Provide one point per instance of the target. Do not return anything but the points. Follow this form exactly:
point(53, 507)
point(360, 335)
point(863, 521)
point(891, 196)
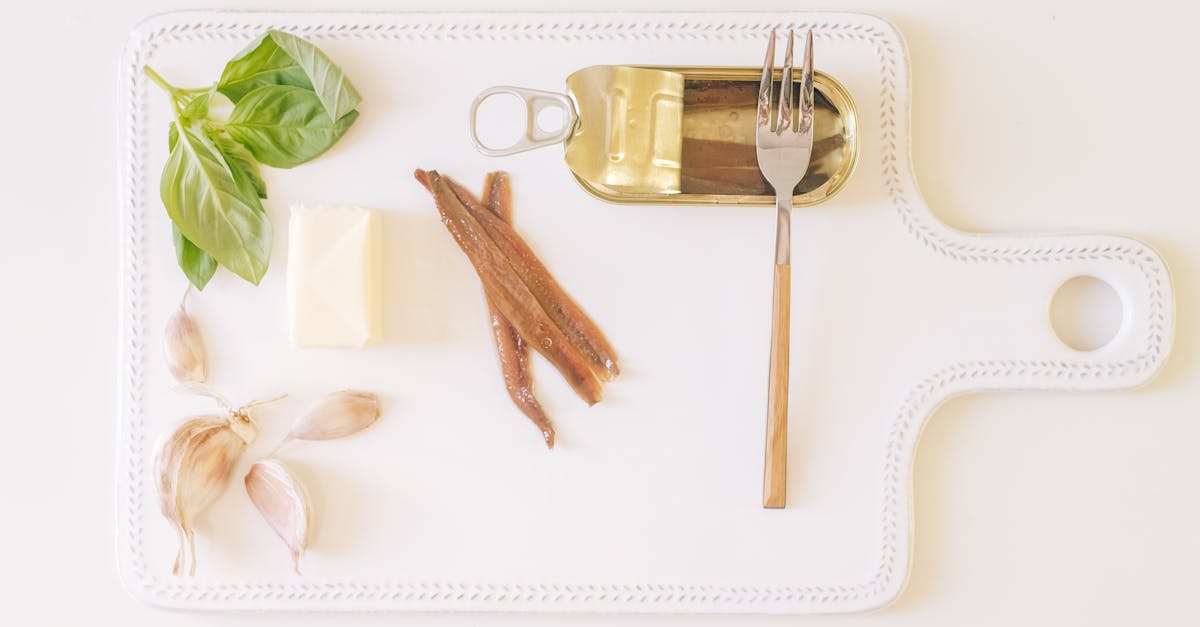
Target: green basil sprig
point(291, 104)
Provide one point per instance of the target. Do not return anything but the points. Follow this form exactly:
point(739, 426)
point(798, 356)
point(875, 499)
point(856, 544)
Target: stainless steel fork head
point(784, 147)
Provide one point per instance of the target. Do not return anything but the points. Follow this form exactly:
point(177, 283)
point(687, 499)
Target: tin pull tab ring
point(535, 102)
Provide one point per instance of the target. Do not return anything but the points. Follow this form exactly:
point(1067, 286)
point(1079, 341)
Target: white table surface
point(1030, 508)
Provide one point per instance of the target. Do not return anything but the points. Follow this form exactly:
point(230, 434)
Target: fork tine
point(785, 89)
point(806, 86)
point(764, 87)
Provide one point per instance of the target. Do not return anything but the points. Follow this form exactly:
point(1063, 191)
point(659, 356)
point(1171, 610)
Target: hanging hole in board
point(1086, 313)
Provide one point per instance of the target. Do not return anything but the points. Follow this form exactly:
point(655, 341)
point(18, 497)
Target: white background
point(1029, 115)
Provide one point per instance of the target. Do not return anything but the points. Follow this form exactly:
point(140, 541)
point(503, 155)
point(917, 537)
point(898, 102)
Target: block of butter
point(333, 276)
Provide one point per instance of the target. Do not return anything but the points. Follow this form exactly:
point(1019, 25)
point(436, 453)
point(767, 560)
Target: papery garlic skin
point(283, 502)
point(183, 347)
point(192, 465)
point(336, 416)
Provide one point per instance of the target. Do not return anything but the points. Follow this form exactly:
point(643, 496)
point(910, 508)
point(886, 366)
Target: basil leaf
point(329, 82)
point(261, 63)
point(242, 163)
point(197, 265)
point(279, 58)
point(214, 212)
point(285, 126)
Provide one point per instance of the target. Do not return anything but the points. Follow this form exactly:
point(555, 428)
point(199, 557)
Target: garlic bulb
point(336, 416)
point(192, 465)
point(183, 347)
point(283, 502)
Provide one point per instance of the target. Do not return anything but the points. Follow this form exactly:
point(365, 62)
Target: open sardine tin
point(679, 135)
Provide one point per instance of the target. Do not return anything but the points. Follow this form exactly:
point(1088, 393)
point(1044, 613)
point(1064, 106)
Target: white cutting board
point(651, 501)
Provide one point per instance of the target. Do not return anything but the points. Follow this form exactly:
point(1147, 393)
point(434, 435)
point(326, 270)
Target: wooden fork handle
point(775, 460)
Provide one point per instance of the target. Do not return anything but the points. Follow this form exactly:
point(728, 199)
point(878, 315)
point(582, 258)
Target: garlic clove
point(336, 416)
point(167, 458)
point(283, 502)
point(183, 346)
point(192, 467)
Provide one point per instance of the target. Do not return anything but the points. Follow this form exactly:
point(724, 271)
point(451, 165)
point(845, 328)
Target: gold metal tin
point(835, 114)
point(627, 132)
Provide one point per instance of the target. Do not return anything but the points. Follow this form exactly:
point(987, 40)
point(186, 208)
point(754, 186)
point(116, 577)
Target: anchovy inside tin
point(680, 135)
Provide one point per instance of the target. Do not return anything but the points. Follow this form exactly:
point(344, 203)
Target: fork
point(783, 150)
